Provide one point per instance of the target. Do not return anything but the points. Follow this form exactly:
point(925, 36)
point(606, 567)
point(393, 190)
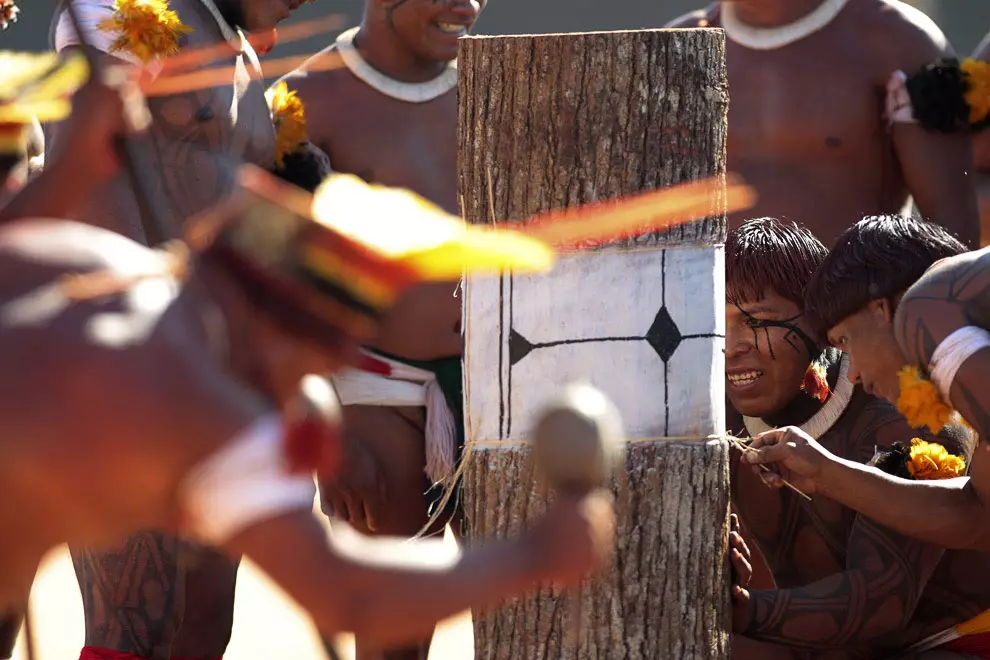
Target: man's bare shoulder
point(952, 278)
point(695, 19)
point(901, 36)
point(322, 79)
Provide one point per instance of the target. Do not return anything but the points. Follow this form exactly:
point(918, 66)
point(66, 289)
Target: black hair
point(878, 258)
point(770, 254)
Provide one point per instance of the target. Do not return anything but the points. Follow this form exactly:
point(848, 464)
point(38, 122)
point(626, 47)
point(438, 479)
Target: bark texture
point(666, 592)
point(555, 121)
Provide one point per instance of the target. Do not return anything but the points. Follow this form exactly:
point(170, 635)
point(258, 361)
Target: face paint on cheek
point(757, 324)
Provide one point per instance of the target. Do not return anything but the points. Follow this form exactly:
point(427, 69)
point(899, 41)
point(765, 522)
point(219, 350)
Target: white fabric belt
point(242, 484)
point(406, 386)
point(952, 353)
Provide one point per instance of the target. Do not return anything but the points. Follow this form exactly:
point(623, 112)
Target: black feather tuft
point(938, 96)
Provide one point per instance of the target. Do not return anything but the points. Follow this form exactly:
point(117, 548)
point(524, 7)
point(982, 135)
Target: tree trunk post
point(555, 121)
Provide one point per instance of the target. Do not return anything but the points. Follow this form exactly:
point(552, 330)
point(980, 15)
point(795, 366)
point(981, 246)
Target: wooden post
point(554, 121)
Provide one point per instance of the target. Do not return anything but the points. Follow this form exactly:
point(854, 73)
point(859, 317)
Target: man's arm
point(392, 600)
point(863, 607)
point(953, 294)
point(86, 156)
point(952, 513)
point(937, 167)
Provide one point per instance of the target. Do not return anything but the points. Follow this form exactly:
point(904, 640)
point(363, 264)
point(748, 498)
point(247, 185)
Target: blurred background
point(964, 21)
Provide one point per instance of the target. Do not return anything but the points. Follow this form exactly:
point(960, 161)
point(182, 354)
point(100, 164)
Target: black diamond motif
point(663, 335)
point(519, 347)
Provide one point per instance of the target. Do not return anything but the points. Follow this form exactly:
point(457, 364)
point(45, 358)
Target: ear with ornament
point(815, 382)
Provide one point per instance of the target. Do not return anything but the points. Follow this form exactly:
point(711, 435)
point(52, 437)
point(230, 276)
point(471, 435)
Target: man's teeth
point(744, 378)
point(453, 28)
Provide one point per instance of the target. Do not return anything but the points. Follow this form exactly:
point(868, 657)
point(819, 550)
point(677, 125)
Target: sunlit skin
point(867, 337)
point(191, 384)
point(824, 163)
point(764, 365)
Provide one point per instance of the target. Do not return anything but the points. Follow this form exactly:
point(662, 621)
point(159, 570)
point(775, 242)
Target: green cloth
point(450, 377)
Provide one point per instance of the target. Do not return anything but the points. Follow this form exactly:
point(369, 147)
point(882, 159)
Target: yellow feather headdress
point(342, 257)
point(35, 86)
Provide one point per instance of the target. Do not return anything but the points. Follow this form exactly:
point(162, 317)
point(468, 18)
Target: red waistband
point(94, 653)
point(977, 645)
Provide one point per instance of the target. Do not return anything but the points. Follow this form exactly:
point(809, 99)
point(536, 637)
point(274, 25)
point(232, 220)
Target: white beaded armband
point(953, 352)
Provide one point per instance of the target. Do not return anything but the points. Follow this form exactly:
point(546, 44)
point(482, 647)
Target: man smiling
point(390, 116)
point(871, 592)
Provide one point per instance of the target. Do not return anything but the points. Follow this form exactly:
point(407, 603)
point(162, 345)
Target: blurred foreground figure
point(134, 594)
point(160, 374)
point(389, 115)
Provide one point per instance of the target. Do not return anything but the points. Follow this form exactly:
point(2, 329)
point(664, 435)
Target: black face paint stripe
point(765, 324)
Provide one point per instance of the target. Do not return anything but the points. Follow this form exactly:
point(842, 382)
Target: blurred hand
point(793, 455)
point(574, 539)
point(356, 493)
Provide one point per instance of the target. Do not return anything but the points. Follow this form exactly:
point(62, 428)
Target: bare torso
point(807, 125)
point(198, 139)
point(398, 144)
point(805, 542)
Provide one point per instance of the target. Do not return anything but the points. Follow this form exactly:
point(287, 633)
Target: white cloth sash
point(406, 386)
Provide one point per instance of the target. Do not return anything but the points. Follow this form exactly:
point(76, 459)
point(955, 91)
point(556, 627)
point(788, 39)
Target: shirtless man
point(133, 594)
point(890, 294)
point(806, 122)
point(390, 116)
point(842, 581)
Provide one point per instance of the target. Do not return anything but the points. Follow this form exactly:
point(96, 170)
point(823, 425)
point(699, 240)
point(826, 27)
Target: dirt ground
point(267, 625)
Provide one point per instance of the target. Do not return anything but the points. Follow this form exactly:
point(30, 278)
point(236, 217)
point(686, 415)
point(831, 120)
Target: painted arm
point(942, 512)
point(862, 607)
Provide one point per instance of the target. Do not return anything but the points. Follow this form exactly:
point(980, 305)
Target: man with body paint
point(842, 582)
